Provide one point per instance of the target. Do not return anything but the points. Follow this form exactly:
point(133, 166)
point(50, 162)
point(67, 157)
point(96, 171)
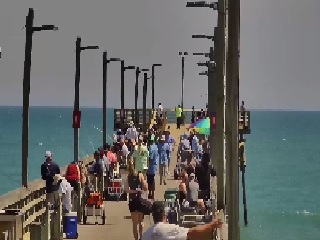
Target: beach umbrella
point(202, 126)
point(205, 131)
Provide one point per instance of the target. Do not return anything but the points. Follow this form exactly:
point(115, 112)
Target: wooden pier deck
point(119, 224)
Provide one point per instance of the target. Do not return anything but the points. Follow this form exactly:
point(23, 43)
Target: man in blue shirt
point(163, 149)
point(48, 170)
point(153, 166)
point(170, 141)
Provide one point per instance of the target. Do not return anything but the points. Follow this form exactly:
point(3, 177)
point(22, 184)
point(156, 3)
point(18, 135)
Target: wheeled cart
point(94, 207)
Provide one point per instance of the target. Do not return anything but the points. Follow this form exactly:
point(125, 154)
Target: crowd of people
point(144, 156)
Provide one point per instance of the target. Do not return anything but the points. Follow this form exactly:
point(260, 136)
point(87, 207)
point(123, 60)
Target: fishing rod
point(242, 160)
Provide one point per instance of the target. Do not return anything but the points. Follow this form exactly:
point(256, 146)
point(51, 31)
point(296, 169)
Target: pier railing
point(24, 206)
point(131, 115)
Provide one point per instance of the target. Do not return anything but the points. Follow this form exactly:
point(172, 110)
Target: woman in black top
point(134, 185)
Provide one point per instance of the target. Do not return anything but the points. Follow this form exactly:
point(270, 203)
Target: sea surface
point(282, 175)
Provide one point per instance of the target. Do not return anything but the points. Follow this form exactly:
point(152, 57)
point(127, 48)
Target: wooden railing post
point(79, 203)
point(47, 224)
point(56, 222)
point(36, 232)
point(4, 236)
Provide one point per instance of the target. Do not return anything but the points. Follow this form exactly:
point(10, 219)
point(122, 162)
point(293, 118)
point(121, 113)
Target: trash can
point(70, 225)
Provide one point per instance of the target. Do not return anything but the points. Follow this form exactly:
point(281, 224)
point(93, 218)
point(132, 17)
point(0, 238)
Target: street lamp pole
point(122, 112)
point(216, 96)
point(30, 29)
point(104, 97)
point(104, 104)
point(152, 76)
point(76, 109)
point(182, 78)
point(232, 118)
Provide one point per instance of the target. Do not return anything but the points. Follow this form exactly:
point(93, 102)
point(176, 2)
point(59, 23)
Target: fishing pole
point(243, 171)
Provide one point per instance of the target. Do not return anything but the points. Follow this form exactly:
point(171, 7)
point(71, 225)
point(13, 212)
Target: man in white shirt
point(163, 231)
point(132, 133)
point(64, 191)
point(159, 113)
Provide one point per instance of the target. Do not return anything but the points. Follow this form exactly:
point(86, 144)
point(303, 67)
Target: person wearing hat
point(163, 231)
point(65, 192)
point(48, 170)
point(163, 149)
point(192, 190)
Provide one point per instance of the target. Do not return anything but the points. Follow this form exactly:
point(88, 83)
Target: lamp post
point(232, 118)
point(30, 29)
point(145, 90)
point(104, 103)
point(183, 55)
point(152, 76)
point(216, 106)
point(123, 69)
point(76, 109)
point(136, 94)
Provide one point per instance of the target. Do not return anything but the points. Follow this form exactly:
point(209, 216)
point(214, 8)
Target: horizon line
point(253, 109)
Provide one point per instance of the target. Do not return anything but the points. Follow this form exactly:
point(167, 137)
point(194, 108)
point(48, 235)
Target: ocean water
point(49, 129)
point(282, 175)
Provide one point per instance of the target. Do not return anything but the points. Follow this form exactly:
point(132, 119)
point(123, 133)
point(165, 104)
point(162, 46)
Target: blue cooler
point(70, 225)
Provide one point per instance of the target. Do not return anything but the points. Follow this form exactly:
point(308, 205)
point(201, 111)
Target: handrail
point(30, 201)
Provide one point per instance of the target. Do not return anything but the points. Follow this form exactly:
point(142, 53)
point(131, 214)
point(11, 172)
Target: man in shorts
point(152, 169)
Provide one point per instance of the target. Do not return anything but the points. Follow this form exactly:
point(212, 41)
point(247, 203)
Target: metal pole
point(76, 98)
point(26, 95)
point(145, 82)
point(122, 94)
point(212, 92)
point(136, 95)
point(104, 103)
point(182, 82)
point(152, 76)
point(220, 114)
point(232, 118)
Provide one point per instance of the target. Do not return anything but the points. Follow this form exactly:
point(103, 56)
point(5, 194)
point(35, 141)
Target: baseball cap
point(48, 154)
point(192, 175)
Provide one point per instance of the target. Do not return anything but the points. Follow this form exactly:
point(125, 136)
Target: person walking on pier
point(163, 149)
point(48, 170)
point(140, 157)
point(162, 231)
point(152, 170)
point(179, 116)
point(134, 185)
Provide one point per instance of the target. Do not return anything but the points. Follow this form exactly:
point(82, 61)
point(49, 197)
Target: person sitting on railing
point(48, 170)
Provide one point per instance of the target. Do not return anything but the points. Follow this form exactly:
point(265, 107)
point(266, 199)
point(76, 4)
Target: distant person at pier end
point(163, 231)
point(242, 108)
point(48, 170)
point(179, 116)
point(159, 114)
point(193, 115)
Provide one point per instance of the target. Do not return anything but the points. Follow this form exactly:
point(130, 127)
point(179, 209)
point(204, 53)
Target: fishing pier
point(25, 214)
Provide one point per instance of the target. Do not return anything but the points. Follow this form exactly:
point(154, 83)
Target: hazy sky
point(280, 56)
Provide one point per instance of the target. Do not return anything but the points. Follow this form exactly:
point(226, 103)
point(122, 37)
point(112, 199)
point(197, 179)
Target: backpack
point(98, 167)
